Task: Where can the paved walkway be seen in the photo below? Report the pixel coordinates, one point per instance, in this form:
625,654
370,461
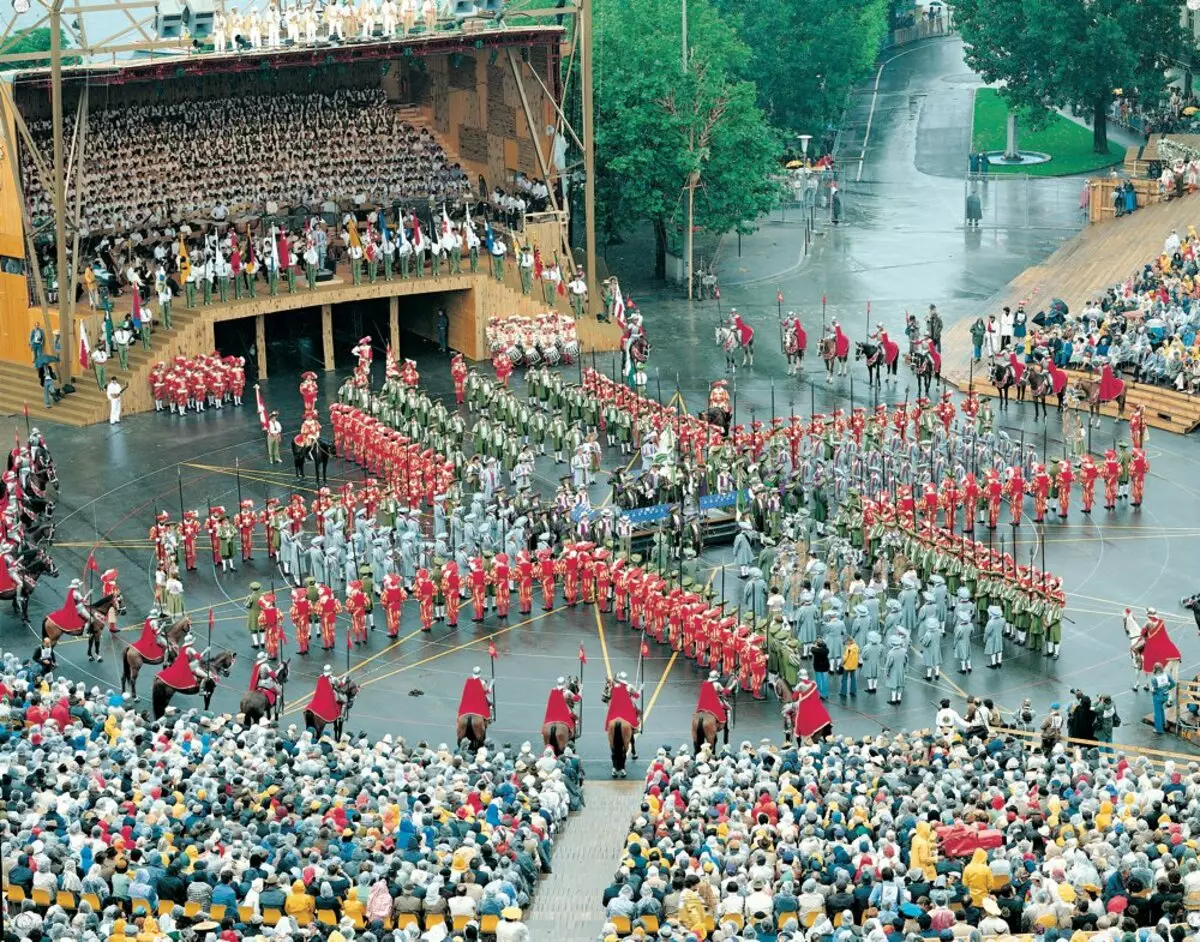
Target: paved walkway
567,904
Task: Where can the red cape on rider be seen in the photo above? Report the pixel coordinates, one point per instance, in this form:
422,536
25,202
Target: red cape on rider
710,702
744,330
1159,648
841,343
147,645
474,699
324,704
1110,386
269,694
178,674
67,618
811,716
620,707
558,710
1018,368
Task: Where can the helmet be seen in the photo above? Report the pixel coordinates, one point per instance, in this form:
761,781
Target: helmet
262,658
326,671
714,676
561,681
476,672
622,676
154,613
189,639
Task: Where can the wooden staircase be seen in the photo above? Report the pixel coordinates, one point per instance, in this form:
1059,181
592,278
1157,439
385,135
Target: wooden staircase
190,333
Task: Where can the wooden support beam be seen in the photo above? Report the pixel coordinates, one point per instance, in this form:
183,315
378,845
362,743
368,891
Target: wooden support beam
394,324
260,342
327,336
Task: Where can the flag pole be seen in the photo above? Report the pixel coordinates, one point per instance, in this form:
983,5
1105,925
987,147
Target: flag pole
179,481
492,661
237,467
582,662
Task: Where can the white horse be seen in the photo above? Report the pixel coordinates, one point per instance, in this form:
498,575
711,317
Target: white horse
730,340
1133,631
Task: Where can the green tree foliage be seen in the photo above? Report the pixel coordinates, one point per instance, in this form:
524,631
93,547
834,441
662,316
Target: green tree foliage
1072,53
807,55
32,40
658,123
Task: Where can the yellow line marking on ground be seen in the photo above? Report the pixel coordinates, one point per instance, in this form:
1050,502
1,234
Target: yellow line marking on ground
603,642
658,689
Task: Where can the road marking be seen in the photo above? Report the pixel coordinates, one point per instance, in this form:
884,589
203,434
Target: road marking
658,689
871,114
603,642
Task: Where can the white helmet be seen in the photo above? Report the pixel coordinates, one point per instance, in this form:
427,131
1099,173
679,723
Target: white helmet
714,676
154,613
561,681
622,676
189,639
262,658
476,672
76,584
326,671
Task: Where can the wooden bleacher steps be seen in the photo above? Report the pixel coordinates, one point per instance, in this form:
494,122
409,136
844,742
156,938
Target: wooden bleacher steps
1081,269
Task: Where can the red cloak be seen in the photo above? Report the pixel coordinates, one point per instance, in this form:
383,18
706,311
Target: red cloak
891,349
323,704
801,336
67,618
620,707
811,715
7,582
937,359
1159,648
709,702
474,699
1110,386
1018,367
841,343
178,674
745,331
269,694
558,710
1058,379
147,645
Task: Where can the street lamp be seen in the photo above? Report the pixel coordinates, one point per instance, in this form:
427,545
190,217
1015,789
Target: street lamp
804,139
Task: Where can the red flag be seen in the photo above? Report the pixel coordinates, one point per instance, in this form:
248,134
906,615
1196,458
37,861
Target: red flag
262,407
645,649
211,621
582,654
717,293
92,565
492,652
27,410
778,297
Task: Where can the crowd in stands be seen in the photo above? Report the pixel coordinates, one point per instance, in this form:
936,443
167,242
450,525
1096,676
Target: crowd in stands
194,827
1177,114
902,838
154,167
1146,325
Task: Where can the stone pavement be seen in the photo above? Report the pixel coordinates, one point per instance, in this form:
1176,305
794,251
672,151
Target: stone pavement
567,903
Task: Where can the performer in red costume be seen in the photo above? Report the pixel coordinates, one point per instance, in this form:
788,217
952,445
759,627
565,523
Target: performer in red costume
476,696
810,719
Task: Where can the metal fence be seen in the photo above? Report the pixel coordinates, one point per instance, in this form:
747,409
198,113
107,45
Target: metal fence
1019,201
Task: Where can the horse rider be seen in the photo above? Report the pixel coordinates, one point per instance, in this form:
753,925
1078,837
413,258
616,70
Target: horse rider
477,696
188,665
621,686
570,697
265,679
714,698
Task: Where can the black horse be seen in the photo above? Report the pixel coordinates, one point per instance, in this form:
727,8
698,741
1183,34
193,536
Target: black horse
1004,378
318,453
715,416
873,353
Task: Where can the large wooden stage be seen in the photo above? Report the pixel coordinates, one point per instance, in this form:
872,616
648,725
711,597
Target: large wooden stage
1083,268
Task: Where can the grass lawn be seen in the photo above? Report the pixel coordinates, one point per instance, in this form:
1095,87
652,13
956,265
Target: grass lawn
1070,144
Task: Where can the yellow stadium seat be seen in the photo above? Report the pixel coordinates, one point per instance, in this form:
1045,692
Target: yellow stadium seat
303,919
15,894
460,923
809,919
216,912
434,919
650,921
404,920
271,916
40,897
191,909
142,905
92,900
245,913
736,918
326,916
784,917
621,924
65,899
488,924
165,906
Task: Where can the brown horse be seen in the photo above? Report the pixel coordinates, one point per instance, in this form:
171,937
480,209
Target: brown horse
705,727
255,705
473,728
1089,391
134,659
220,664
828,350
28,565
97,616
620,742
559,735
346,691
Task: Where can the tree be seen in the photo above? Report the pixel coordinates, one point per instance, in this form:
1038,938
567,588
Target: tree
659,123
32,40
1072,53
803,83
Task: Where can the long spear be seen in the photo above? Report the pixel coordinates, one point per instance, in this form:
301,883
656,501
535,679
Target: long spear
179,481
823,301
492,655
237,467
582,662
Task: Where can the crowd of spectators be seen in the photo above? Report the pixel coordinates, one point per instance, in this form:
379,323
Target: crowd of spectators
196,812
1147,326
154,167
901,838
1177,114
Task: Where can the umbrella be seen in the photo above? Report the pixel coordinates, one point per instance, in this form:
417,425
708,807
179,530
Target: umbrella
794,164
43,360
1059,307
1190,110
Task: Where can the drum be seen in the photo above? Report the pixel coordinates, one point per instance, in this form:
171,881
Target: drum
533,356
551,356
495,346
514,354
571,350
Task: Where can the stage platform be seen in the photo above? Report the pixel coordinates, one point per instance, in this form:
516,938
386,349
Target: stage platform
1081,269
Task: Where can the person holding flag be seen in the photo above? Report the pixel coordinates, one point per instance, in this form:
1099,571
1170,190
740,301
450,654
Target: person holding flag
387,248
354,241
283,257
420,246
472,240
404,250
453,243
311,256
184,263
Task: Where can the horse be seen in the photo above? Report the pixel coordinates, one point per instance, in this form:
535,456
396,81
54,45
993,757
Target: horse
212,666
254,704
872,351
728,340
705,727
559,735
346,691
97,617
473,728
715,416
792,349
922,364
1089,391
829,355
621,734
134,659
785,695
29,564
1004,378
319,453
1040,387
